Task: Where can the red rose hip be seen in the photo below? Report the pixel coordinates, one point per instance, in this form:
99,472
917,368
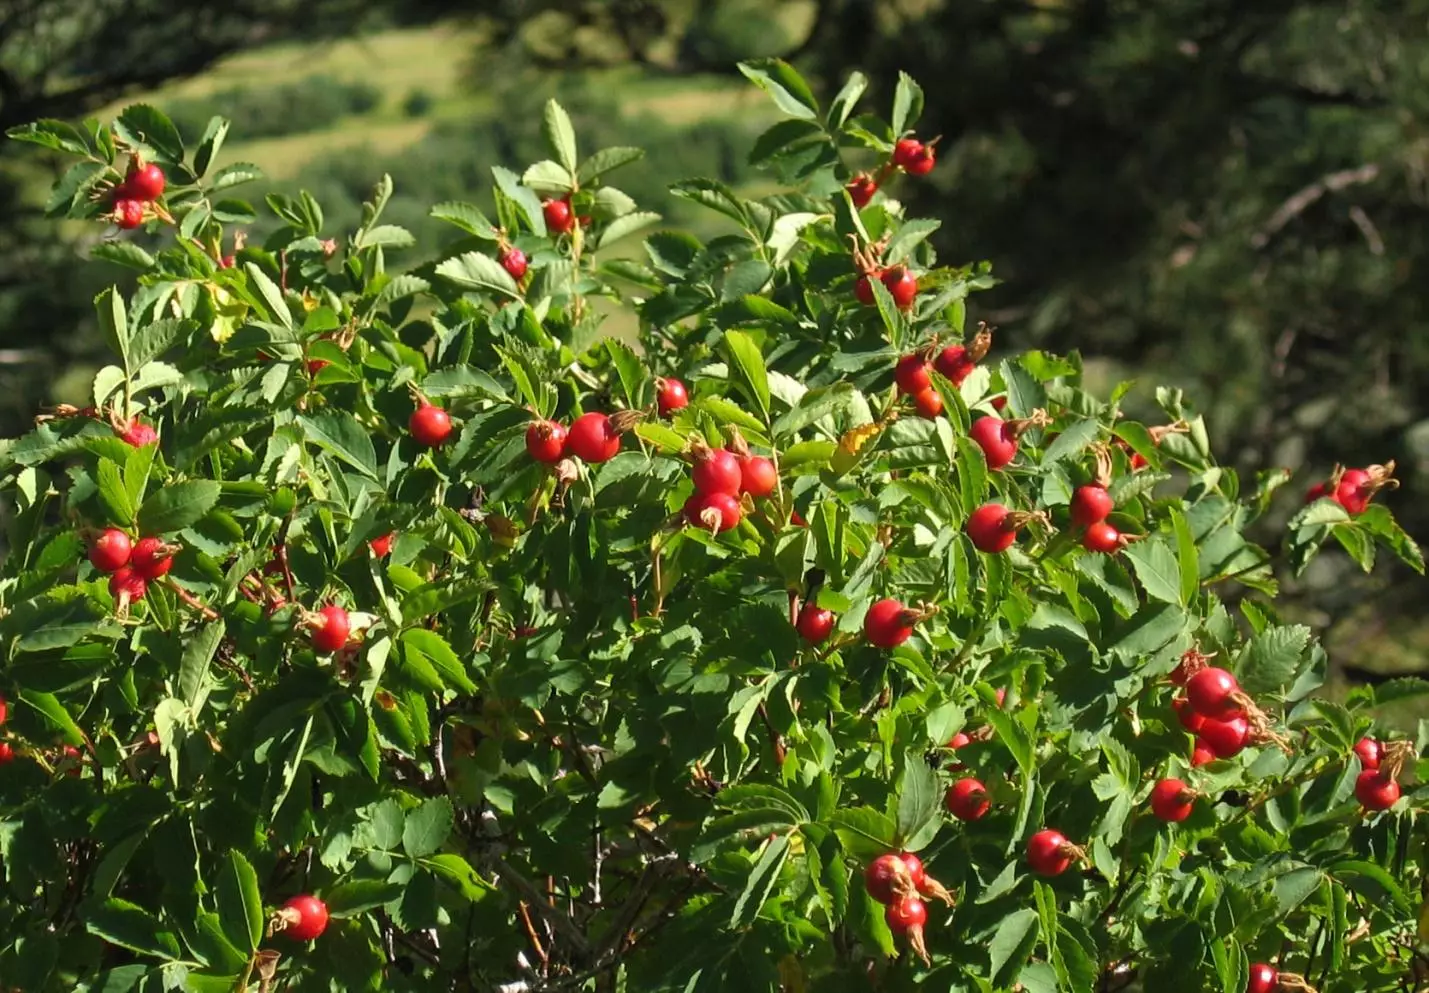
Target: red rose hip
967,800
928,403
888,623
330,629
990,529
306,917
1213,692
558,215
905,915
718,512
513,260
814,623
592,438
670,396
758,477
1370,753
430,425
1376,791
1263,979
1172,800
1226,739
152,558
1050,854
1102,538
996,439
546,441
902,286
145,183
912,374
111,551
1090,505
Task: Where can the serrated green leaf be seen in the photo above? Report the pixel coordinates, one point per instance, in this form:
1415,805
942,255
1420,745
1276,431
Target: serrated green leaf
177,506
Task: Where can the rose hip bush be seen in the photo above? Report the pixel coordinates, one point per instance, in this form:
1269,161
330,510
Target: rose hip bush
367,630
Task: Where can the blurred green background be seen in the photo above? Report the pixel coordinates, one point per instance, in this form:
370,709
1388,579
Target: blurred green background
1231,197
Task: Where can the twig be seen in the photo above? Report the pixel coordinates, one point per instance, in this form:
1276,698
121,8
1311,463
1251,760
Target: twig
1305,198
209,614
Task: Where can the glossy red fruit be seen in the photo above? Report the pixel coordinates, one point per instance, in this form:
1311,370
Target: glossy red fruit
1201,754
995,438
1172,801
151,558
928,403
1212,691
906,915
954,363
906,150
513,260
430,425
959,740
916,873
880,877
1354,492
1317,492
999,402
111,550
546,441
308,918
888,624
861,190
128,214
145,183
967,800
382,546
559,217
7,753
923,162
1090,505
814,623
988,529
1263,979
1376,791
137,434
1102,538
713,510
1369,751
592,438
1048,854
717,470
1226,739
863,291
1187,715
316,366
331,634
758,477
671,396
902,286
126,584
912,374
4,710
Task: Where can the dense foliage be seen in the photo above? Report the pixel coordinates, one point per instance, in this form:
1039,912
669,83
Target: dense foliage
364,635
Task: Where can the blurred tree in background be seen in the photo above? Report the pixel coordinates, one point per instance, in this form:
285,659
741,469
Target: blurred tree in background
1230,194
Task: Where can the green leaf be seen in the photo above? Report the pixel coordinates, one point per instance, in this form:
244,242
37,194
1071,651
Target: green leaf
1011,945
1156,567
623,227
1187,556
1371,882
209,145
433,598
153,340
919,799
524,199
56,713
384,236
1378,521
426,829
908,237
340,433
130,926
560,136
907,103
358,896
606,160
458,872
761,881
240,907
846,99
784,85
475,271
1273,658
199,651
113,322
746,365
113,494
630,369
865,833
60,136
466,216
464,381
177,506
271,294
141,124
434,651
125,253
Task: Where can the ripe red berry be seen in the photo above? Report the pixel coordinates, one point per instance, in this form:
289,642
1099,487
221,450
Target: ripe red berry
145,183
888,623
430,425
912,374
1376,791
4,710
128,214
719,511
1049,853
111,551
861,190
988,529
1354,492
758,477
1369,751
513,260
917,875
995,438
592,438
1212,692
1317,492
559,217
905,150
1102,538
127,585
671,396
881,876
928,403
382,546
902,286
905,915
967,800
7,753
316,366
1263,979
922,163
151,558
546,441
814,624
954,363
863,291
959,740
306,916
1201,754
1172,800
1090,505
138,434
330,634
717,470
1187,715
1225,739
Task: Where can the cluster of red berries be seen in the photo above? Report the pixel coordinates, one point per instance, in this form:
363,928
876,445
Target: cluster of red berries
143,184
899,280
561,217
722,476
7,751
913,372
912,156
130,565
899,881
1353,489
592,438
